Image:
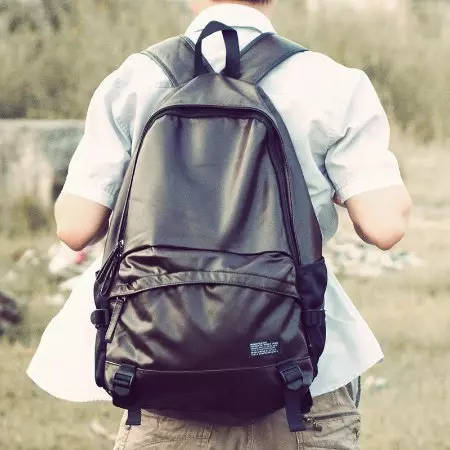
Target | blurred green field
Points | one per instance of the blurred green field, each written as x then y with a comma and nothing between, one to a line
407,311
52,74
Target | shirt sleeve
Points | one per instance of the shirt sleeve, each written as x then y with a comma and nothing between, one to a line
98,165
358,158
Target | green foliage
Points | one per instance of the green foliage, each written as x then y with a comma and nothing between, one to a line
403,54
51,72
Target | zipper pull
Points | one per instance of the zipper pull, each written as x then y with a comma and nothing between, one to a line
117,310
315,426
113,256
106,273
120,246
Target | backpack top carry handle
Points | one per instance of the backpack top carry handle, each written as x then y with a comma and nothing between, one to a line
233,57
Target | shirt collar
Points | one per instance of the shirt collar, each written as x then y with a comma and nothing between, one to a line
233,15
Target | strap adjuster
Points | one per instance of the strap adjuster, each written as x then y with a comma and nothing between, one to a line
313,317
100,318
123,380
292,376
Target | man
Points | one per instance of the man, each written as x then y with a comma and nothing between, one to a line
341,136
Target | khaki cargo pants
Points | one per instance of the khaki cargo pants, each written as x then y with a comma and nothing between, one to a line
334,423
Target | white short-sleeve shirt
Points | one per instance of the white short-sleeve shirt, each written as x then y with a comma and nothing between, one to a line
340,133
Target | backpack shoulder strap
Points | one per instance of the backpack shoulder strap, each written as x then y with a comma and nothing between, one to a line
265,53
175,56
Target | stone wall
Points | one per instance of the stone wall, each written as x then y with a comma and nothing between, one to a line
34,156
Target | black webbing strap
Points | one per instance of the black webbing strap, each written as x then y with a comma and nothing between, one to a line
313,322
293,407
297,398
181,60
232,57
264,54
134,416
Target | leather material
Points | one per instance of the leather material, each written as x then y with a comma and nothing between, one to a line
151,267
308,233
187,327
204,163
215,251
175,57
255,63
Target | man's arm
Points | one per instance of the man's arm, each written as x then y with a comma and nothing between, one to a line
100,161
97,167
380,217
364,172
79,221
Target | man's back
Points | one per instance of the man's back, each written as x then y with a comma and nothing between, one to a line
338,128
340,134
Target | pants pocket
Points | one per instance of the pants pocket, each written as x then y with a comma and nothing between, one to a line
334,423
163,433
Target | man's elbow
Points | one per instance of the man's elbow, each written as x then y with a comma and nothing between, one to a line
381,217
72,238
79,221
387,240
385,232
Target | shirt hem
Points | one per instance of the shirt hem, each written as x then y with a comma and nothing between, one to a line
345,380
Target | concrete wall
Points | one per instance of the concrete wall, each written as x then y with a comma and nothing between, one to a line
34,155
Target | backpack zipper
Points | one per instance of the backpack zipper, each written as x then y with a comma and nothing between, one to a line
111,260
106,273
115,316
279,163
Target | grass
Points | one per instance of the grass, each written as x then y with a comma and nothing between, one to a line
408,311
409,314
30,418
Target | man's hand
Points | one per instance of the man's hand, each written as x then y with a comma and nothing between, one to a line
80,222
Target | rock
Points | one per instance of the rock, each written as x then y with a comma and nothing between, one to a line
34,156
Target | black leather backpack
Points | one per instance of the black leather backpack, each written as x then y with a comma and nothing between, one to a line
210,297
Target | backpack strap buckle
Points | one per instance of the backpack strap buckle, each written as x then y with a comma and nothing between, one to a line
292,376
122,383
